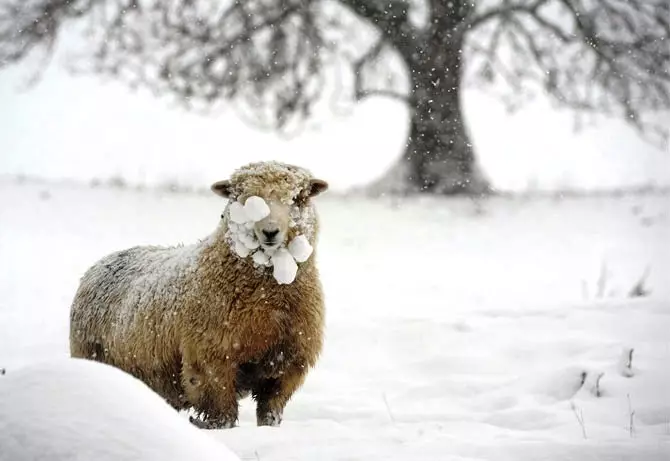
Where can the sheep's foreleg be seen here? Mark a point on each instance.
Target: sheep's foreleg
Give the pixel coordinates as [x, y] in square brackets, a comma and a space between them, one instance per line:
[273, 394]
[212, 394]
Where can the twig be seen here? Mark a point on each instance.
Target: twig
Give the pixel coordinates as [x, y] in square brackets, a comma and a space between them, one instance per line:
[591, 382]
[631, 418]
[596, 387]
[626, 362]
[580, 417]
[639, 290]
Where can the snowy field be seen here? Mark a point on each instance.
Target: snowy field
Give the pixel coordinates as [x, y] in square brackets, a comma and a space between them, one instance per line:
[455, 329]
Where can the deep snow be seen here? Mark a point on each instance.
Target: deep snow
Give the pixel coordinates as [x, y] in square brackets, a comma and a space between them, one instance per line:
[72, 409]
[456, 329]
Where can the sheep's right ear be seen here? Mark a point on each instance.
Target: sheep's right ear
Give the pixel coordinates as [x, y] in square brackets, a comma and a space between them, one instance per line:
[222, 188]
[317, 186]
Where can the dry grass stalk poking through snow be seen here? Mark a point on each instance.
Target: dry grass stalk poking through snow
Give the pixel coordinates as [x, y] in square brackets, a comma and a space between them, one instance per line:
[579, 414]
[206, 324]
[631, 417]
[625, 364]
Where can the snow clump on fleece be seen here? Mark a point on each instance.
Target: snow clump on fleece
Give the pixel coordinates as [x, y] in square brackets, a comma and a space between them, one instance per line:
[244, 242]
[80, 409]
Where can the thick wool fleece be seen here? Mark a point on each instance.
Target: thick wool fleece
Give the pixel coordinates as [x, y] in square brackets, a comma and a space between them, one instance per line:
[202, 326]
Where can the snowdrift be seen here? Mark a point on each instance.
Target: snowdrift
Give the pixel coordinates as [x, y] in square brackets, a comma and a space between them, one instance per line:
[72, 409]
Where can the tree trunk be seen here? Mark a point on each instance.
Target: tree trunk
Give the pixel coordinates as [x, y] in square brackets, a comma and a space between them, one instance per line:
[439, 156]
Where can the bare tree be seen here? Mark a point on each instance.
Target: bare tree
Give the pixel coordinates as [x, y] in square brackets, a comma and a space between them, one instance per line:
[594, 56]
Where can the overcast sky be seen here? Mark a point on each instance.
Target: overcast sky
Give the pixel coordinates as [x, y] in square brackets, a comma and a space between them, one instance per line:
[80, 127]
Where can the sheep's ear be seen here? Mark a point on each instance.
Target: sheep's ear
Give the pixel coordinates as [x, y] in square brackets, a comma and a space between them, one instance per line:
[222, 188]
[317, 186]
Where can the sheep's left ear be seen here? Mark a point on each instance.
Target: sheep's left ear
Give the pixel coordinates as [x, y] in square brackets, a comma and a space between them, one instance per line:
[222, 188]
[317, 186]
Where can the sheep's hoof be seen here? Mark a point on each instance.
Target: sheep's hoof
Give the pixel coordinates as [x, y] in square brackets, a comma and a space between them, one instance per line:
[224, 423]
[271, 418]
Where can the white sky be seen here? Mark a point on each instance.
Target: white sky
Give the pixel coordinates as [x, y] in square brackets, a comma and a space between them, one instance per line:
[80, 127]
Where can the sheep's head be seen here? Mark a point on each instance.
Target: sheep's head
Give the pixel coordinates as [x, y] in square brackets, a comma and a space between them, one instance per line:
[285, 210]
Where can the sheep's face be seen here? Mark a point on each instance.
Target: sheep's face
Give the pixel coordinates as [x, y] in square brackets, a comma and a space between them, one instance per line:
[286, 190]
[272, 230]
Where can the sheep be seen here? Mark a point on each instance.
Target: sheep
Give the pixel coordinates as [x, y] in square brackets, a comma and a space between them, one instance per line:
[204, 326]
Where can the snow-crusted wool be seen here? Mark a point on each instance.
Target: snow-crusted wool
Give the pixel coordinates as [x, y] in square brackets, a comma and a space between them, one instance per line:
[203, 326]
[244, 241]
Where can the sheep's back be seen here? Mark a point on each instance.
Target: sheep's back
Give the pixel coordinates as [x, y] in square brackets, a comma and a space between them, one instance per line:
[129, 301]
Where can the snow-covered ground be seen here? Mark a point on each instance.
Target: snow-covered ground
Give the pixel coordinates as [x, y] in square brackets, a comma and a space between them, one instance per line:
[73, 409]
[456, 329]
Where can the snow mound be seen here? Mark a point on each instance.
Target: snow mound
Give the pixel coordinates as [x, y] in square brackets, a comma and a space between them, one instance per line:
[71, 409]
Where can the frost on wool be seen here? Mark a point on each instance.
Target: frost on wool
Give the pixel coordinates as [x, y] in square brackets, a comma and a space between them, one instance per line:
[244, 242]
[154, 274]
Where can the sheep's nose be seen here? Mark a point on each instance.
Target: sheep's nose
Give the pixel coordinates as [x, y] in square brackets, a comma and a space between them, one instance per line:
[270, 234]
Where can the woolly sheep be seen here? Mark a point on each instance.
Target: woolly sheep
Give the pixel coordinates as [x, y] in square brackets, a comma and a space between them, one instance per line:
[204, 326]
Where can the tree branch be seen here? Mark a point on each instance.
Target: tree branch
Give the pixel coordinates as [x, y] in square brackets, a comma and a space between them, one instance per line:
[608, 56]
[359, 66]
[611, 57]
[390, 18]
[506, 10]
[364, 94]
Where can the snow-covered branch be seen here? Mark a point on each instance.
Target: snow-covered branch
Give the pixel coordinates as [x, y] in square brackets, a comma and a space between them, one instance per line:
[601, 56]
[361, 68]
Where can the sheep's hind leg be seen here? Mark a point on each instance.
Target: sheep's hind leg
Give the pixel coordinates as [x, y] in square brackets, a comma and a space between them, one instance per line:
[272, 395]
[90, 350]
[212, 396]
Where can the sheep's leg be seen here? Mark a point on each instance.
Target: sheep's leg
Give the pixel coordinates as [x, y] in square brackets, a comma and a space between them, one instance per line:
[272, 395]
[212, 394]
